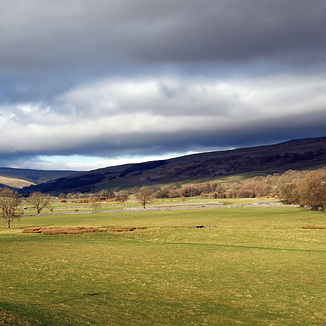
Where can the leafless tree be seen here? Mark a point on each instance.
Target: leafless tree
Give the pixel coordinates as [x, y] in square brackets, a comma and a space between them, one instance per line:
[9, 205]
[106, 194]
[39, 201]
[122, 195]
[95, 203]
[144, 196]
[290, 194]
[313, 190]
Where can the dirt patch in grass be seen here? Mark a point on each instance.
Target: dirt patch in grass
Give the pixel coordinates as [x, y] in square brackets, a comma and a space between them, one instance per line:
[79, 230]
[54, 231]
[313, 227]
[125, 229]
[82, 229]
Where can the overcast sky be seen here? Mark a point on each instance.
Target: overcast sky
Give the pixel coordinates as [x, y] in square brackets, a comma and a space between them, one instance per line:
[87, 84]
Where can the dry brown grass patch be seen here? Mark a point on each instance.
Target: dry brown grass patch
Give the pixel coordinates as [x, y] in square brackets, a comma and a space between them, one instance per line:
[313, 227]
[55, 231]
[33, 230]
[124, 229]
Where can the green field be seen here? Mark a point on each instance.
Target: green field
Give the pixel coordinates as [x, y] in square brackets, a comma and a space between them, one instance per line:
[249, 266]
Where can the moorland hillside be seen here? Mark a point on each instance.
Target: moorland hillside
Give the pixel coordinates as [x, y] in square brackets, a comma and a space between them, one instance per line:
[19, 178]
[278, 158]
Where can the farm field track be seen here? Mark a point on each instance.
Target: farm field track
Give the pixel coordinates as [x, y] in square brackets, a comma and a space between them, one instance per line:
[250, 265]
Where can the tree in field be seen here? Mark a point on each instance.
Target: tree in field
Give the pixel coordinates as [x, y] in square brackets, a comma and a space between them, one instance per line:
[122, 196]
[39, 201]
[313, 190]
[145, 196]
[290, 194]
[9, 205]
[94, 203]
[106, 194]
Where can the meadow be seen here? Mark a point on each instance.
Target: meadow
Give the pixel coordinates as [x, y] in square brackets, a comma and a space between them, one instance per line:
[247, 266]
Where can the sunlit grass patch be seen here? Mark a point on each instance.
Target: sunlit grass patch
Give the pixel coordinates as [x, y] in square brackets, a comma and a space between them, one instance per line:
[258, 267]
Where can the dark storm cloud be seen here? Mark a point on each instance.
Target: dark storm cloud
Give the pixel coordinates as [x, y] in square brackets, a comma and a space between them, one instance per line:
[142, 77]
[237, 31]
[50, 37]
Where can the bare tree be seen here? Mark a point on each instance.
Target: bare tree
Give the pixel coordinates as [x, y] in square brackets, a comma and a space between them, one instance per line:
[145, 196]
[106, 194]
[290, 194]
[9, 205]
[39, 201]
[122, 195]
[313, 190]
[94, 203]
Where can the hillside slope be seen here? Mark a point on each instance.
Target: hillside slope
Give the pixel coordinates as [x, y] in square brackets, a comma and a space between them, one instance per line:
[14, 183]
[295, 154]
[19, 178]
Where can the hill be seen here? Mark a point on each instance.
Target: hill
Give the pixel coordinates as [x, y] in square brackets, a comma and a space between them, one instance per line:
[14, 183]
[278, 158]
[19, 178]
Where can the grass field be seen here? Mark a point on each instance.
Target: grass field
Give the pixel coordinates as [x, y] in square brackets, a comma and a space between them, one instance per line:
[248, 266]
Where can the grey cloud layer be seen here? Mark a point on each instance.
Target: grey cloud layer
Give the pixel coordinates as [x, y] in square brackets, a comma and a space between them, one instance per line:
[145, 76]
[192, 30]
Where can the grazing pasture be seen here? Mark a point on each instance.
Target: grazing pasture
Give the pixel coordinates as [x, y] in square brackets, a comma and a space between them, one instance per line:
[222, 266]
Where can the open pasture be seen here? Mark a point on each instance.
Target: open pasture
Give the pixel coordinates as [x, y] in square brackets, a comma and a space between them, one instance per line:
[249, 266]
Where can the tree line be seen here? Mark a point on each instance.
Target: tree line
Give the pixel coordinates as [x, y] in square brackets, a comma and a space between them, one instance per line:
[305, 188]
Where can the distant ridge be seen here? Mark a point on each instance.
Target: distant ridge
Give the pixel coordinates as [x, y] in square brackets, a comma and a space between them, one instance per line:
[294, 154]
[17, 177]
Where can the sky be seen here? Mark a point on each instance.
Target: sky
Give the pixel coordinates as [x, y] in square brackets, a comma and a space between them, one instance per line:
[89, 84]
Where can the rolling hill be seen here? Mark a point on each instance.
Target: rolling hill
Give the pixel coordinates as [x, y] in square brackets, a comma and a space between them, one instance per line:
[14, 183]
[294, 154]
[19, 178]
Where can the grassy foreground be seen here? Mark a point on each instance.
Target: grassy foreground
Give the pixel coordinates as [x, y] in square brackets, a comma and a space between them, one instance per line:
[258, 267]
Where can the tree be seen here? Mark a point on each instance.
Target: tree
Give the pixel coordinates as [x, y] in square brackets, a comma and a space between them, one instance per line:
[290, 194]
[313, 190]
[39, 201]
[122, 195]
[9, 205]
[106, 194]
[145, 196]
[94, 203]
